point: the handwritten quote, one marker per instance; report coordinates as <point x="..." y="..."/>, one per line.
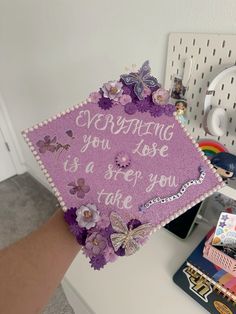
<point x="108" y="124"/>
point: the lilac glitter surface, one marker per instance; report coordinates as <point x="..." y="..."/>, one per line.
<point x="134" y="134"/>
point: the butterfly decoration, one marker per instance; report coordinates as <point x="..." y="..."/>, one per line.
<point x="125" y="237"/>
<point x="140" y="79"/>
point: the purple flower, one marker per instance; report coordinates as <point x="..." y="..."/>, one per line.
<point x="112" y="90"/>
<point x="133" y="223"/>
<point x="105" y="103"/>
<point x="130" y="108"/>
<point x="161" y="96"/>
<point x="110" y="255"/>
<point x="169" y="109"/>
<point x="156" y="110"/>
<point x="95" y="96"/>
<point x="95" y="244"/>
<point x="143" y="105"/>
<point x="47" y="144"/>
<point x="146" y="92"/>
<point x="103" y="222"/>
<point x="98" y="261"/>
<point x="120" y="251"/>
<point x="87" y="216"/>
<point x="70" y="215"/>
<point x="79" y="233"/>
<point x="125" y="99"/>
<point x="126" y="90"/>
<point x="79" y="188"/>
<point x="106" y="233"/>
<point x="82" y="236"/>
<point x="129" y="90"/>
<point x="75" y="229"/>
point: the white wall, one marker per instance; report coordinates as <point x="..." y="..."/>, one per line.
<point x="54" y="52"/>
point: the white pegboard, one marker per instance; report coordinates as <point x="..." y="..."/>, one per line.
<point x="210" y="53"/>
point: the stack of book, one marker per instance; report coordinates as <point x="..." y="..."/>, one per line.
<point x="208" y="284"/>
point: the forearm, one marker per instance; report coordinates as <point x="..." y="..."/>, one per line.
<point x="32" y="268"/>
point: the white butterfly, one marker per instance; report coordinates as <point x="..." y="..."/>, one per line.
<point x="127" y="238"/>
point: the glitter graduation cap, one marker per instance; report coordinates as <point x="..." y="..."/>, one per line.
<point x="121" y="165"/>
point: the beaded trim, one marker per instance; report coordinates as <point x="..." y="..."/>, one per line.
<point x="58" y="194"/>
<point x="173" y="197"/>
<point x="37" y="156"/>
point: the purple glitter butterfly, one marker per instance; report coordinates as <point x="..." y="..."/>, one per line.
<point x="140" y="79"/>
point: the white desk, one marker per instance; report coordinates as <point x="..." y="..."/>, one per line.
<point x="139" y="284"/>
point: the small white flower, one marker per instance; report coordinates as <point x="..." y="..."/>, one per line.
<point x="87" y="216"/>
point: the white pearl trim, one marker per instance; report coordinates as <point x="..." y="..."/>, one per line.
<point x="37" y="156"/>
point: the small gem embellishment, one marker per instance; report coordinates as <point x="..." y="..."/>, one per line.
<point x="122" y="160"/>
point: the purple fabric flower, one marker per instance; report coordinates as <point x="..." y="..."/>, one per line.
<point x="120" y="251"/>
<point x="95" y="244"/>
<point x="75" y="229"/>
<point x="47" y="144"/>
<point x="125" y="99"/>
<point x="130" y="108"/>
<point x="112" y="90"/>
<point x="129" y="90"/>
<point x="146" y="92"/>
<point x="79" y="188"/>
<point x="156" y="110"/>
<point x="70" y="215"/>
<point x="105" y="103"/>
<point x="133" y="223"/>
<point x="126" y="90"/>
<point x="87" y="216"/>
<point x="110" y="255"/>
<point x="161" y="96"/>
<point x="143" y="105"/>
<point x="103" y="222"/>
<point x="98" y="261"/>
<point x="79" y="233"/>
<point x="95" y="96"/>
<point x="82" y="236"/>
<point x="169" y="109"/>
<point x="106" y="233"/>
